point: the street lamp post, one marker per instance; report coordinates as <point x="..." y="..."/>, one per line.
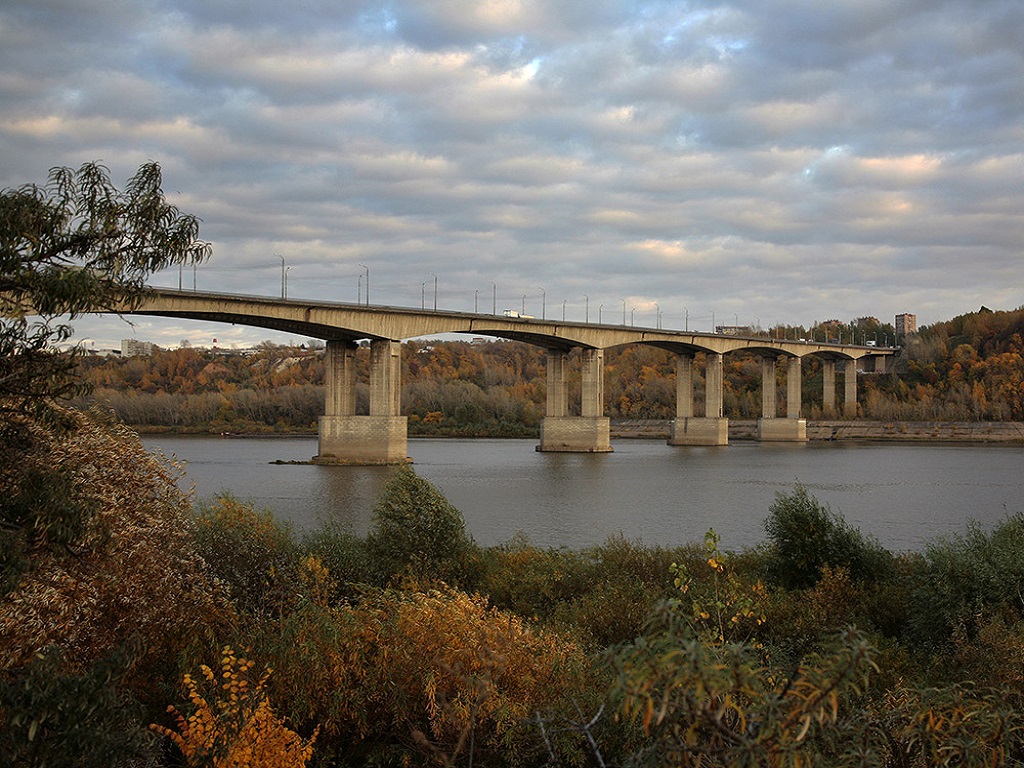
<point x="657" y="315"/>
<point x="600" y="313"/>
<point x="494" y="297"/>
<point x="523" y="312"/>
<point x="476" y="301"/>
<point x="563" y="309"/>
<point x="367" y="283"/>
<point x="623" y="311"/>
<point x="282" y="274"/>
<point x="587" y="315"/>
<point x="435" y="290"/>
<point x="543" y="304"/>
<point x="285" y="295"/>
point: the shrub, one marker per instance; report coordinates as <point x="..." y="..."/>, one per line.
<point x="129" y="574"/>
<point x="253" y="554"/>
<point x="964" y="579"/>
<point x="232" y="724"/>
<point x="345" y="557"/>
<point x="704" y="702"/>
<point x="416" y="531"/>
<point x="806" y="536"/>
<point x="51" y="715"/>
<point x="412" y="675"/>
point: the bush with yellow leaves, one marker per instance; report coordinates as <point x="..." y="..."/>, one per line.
<point x="232" y="724"/>
<point x="415" y="673"/>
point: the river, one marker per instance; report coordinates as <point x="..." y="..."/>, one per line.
<point x="647" y="491"/>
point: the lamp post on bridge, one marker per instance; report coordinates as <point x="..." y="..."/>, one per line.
<point x="282" y="274"/>
<point x="543" y="304"/>
<point x="587" y="314"/>
<point x="494" y="297"/>
<point x="600" y="313"/>
<point x="435" y="290"/>
<point x="367" y="283"/>
<point x="623" y="311"/>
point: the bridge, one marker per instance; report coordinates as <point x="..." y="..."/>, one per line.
<point x="380" y="437"/>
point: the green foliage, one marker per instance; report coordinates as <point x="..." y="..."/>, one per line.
<point x="806" y="536"/>
<point x="51" y="715"/>
<point x="416" y="532"/>
<point x="345" y="557"/>
<point x="702" y="703"/>
<point x="77" y="245"/>
<point x="252" y="553"/>
<point x="723" y="605"/>
<point x="964" y="580"/>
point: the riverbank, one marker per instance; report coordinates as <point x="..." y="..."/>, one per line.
<point x="906" y="431"/>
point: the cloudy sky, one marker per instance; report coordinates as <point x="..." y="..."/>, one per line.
<point x="763" y="160"/>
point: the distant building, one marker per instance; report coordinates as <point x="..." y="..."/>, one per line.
<point x="867" y="322"/>
<point x="136" y="348"/>
<point x="906" y="324"/>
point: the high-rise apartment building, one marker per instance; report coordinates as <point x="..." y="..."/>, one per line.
<point x="906" y="324"/>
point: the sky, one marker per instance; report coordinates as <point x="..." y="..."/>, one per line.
<point x="675" y="163"/>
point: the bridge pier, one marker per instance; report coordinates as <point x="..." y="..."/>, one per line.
<point x="850" y="393"/>
<point x="382" y="436"/>
<point x="770" y="428"/>
<point x="590" y="432"/>
<point x="828" y="385"/>
<point x="713" y="428"/>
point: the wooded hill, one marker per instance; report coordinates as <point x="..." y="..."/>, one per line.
<point x="968" y="368"/>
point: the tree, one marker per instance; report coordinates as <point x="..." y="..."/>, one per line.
<point x="76" y="245"/>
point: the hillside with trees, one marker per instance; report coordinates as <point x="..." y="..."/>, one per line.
<point x="967" y="369"/>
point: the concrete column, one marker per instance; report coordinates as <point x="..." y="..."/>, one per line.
<point x="339" y="364"/>
<point x="590" y="432"/>
<point x="791" y="429"/>
<point x="381" y="437"/>
<point x="828" y="375"/>
<point x="768" y="405"/>
<point x="557" y="399"/>
<point x="713" y="386"/>
<point x="793" y="386"/>
<point x="712" y="429"/>
<point x="850" y="397"/>
<point x="684" y="386"/>
<point x="385" y="378"/>
<point x="592" y="395"/>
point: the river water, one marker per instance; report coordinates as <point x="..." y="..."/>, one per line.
<point x="903" y="495"/>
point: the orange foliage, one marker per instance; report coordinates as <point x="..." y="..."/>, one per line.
<point x="238" y="729"/>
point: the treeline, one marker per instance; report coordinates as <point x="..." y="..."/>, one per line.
<point x="147" y="631"/>
<point x="969" y="368"/>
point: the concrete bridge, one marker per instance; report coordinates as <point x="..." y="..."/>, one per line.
<point x="381" y="436"/>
